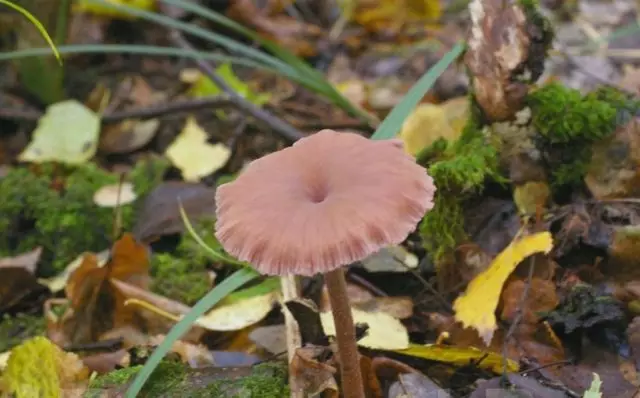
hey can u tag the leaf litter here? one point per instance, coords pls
(526, 266)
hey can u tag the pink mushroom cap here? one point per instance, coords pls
(328, 200)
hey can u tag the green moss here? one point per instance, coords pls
(182, 275)
(563, 115)
(168, 376)
(569, 123)
(442, 228)
(178, 278)
(52, 207)
(174, 379)
(268, 380)
(14, 330)
(459, 172)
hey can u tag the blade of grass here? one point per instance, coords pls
(218, 293)
(235, 281)
(231, 45)
(135, 49)
(328, 90)
(213, 252)
(393, 122)
(37, 24)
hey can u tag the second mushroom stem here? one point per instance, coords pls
(352, 382)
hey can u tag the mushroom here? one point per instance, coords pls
(327, 201)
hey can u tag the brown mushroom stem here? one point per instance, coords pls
(352, 384)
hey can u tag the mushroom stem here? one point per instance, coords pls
(352, 384)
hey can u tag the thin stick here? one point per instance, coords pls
(284, 129)
(352, 384)
(294, 341)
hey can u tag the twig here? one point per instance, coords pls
(284, 129)
(294, 341)
(141, 113)
(518, 317)
(217, 101)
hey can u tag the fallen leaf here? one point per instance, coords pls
(238, 314)
(66, 133)
(296, 36)
(314, 377)
(271, 338)
(57, 283)
(193, 155)
(196, 355)
(460, 356)
(614, 168)
(39, 368)
(106, 11)
(115, 195)
(20, 290)
(97, 305)
(378, 15)
(385, 332)
(531, 197)
(391, 259)
(128, 135)
(205, 87)
(105, 362)
(160, 212)
(429, 122)
(476, 307)
(541, 297)
(397, 307)
(28, 261)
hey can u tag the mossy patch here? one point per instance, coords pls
(568, 123)
(182, 275)
(14, 330)
(267, 380)
(175, 379)
(459, 170)
(52, 206)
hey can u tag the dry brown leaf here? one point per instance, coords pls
(541, 297)
(313, 377)
(96, 305)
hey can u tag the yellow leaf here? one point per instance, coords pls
(106, 11)
(193, 155)
(428, 122)
(460, 356)
(39, 368)
(375, 15)
(239, 314)
(476, 307)
(385, 332)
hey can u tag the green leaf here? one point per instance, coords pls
(204, 86)
(67, 133)
(37, 24)
(393, 122)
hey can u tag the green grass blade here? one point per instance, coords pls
(302, 67)
(195, 30)
(393, 122)
(235, 281)
(37, 24)
(213, 252)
